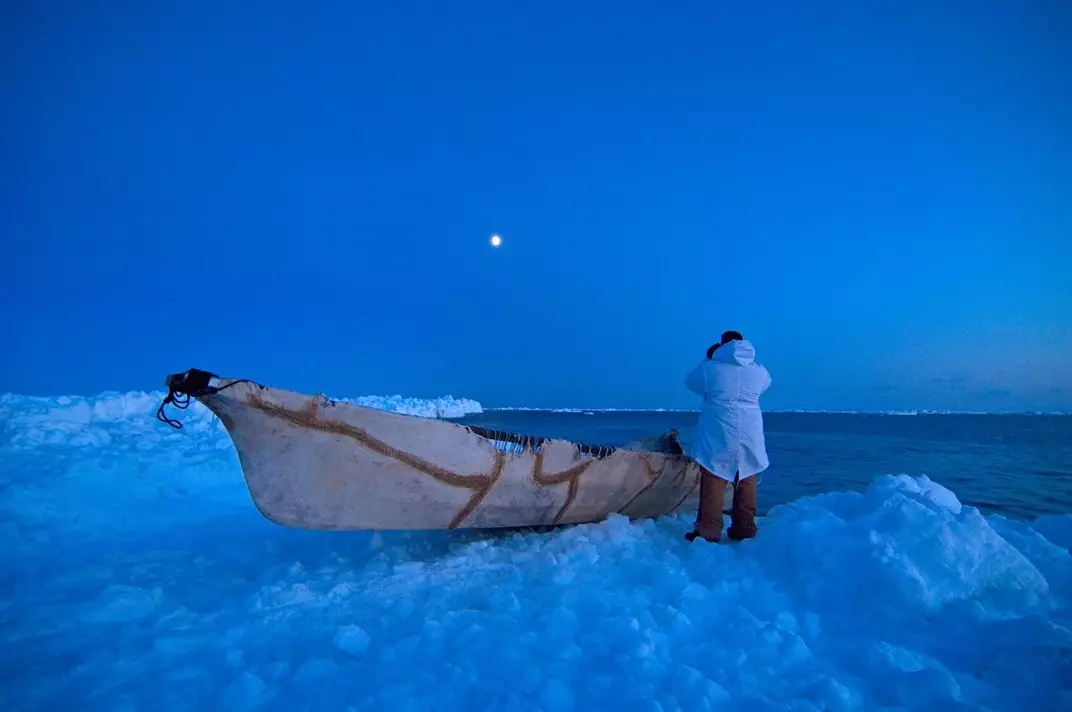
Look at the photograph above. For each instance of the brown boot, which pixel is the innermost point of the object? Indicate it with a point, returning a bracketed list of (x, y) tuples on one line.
[(712, 497), (743, 515)]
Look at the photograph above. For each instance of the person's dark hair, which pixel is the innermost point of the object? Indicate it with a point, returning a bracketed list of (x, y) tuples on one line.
[(727, 337)]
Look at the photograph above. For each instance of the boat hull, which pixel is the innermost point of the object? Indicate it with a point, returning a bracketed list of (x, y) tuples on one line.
[(314, 463)]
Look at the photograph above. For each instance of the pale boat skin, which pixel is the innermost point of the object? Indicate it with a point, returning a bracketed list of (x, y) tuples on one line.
[(314, 463)]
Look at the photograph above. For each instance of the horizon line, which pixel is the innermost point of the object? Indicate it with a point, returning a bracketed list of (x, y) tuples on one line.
[(813, 411), (799, 411)]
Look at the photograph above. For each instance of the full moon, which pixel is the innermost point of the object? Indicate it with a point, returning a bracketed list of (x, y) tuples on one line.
[(496, 240)]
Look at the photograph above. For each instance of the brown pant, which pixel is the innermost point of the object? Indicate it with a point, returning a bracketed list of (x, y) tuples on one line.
[(713, 498)]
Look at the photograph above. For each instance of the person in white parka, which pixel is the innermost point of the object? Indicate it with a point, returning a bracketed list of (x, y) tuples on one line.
[(729, 445)]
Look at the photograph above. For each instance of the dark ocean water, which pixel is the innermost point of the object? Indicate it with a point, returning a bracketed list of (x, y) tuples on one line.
[(1020, 466)]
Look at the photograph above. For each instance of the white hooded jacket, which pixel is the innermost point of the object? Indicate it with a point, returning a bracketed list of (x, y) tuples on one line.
[(729, 435)]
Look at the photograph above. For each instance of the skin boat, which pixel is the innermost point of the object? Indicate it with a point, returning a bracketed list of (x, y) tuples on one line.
[(315, 463)]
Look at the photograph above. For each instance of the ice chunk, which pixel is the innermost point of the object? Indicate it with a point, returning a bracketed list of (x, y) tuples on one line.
[(555, 696), (352, 640), (246, 692), (122, 604), (922, 488), (312, 670)]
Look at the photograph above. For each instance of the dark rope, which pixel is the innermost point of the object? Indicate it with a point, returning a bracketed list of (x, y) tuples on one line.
[(193, 383), (180, 401)]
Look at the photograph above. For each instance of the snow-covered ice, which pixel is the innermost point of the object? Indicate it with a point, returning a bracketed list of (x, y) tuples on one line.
[(80, 420), (138, 575)]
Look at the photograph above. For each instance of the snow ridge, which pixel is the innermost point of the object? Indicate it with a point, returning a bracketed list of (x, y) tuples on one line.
[(94, 420)]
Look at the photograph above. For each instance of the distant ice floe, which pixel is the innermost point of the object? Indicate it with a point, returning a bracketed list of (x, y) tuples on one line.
[(93, 420), (795, 411), (442, 407)]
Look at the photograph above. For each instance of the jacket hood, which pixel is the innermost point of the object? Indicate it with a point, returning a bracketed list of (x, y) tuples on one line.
[(739, 352)]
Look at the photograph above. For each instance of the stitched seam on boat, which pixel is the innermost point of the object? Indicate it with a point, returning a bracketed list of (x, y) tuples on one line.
[(479, 495), (652, 479), (681, 475), (571, 475), (574, 484), (688, 494)]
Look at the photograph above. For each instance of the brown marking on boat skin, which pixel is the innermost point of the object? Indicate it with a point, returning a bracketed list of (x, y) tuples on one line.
[(480, 494), (653, 477), (571, 494), (571, 475), (306, 418), (681, 475), (691, 489), (227, 421)]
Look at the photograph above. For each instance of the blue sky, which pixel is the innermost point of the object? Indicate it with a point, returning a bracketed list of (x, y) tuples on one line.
[(879, 197)]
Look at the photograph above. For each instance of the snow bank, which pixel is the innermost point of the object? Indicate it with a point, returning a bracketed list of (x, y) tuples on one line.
[(86, 421), (141, 576)]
